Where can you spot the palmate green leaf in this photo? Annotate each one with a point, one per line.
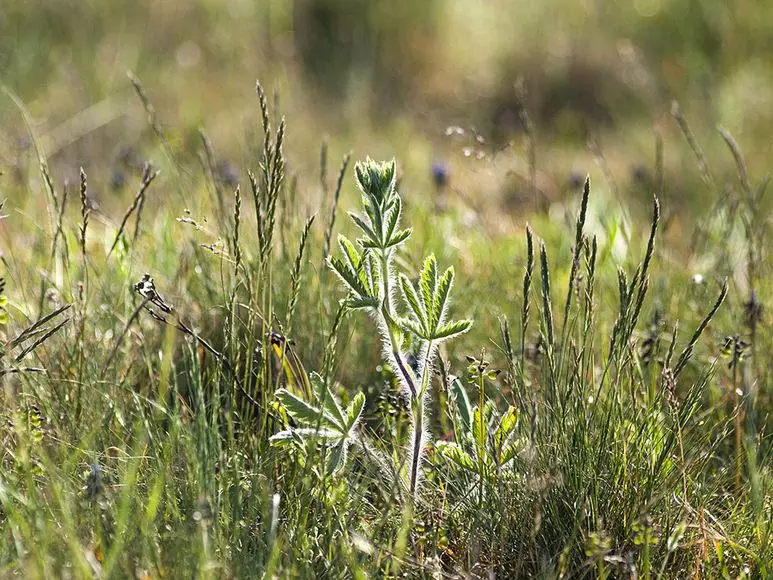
(412, 299)
(454, 453)
(354, 411)
(305, 413)
(428, 281)
(325, 397)
(440, 299)
(451, 329)
(371, 274)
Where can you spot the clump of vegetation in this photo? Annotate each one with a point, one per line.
(168, 425)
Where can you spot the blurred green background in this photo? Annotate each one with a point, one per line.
(390, 77)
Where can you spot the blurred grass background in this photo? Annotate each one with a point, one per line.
(441, 85)
(392, 76)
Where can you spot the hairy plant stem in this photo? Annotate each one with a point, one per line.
(416, 394)
(417, 415)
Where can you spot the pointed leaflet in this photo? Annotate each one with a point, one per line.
(325, 398)
(354, 411)
(506, 425)
(351, 253)
(452, 329)
(399, 237)
(462, 403)
(304, 413)
(440, 299)
(393, 217)
(428, 281)
(286, 437)
(372, 274)
(336, 457)
(356, 262)
(510, 451)
(413, 327)
(296, 435)
(412, 299)
(367, 230)
(356, 302)
(348, 276)
(393, 236)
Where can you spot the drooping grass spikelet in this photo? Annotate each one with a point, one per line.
(295, 277)
(147, 178)
(36, 327)
(641, 273)
(43, 337)
(146, 104)
(590, 266)
(210, 166)
(743, 174)
(236, 247)
(703, 166)
(42, 161)
(578, 244)
(671, 346)
(687, 352)
(527, 275)
(60, 220)
(547, 306)
(334, 209)
(85, 211)
(265, 119)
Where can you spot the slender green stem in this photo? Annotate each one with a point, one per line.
(480, 436)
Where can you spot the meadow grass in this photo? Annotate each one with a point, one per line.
(193, 392)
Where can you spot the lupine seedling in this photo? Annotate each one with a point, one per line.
(367, 271)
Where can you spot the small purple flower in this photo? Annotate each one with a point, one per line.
(440, 174)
